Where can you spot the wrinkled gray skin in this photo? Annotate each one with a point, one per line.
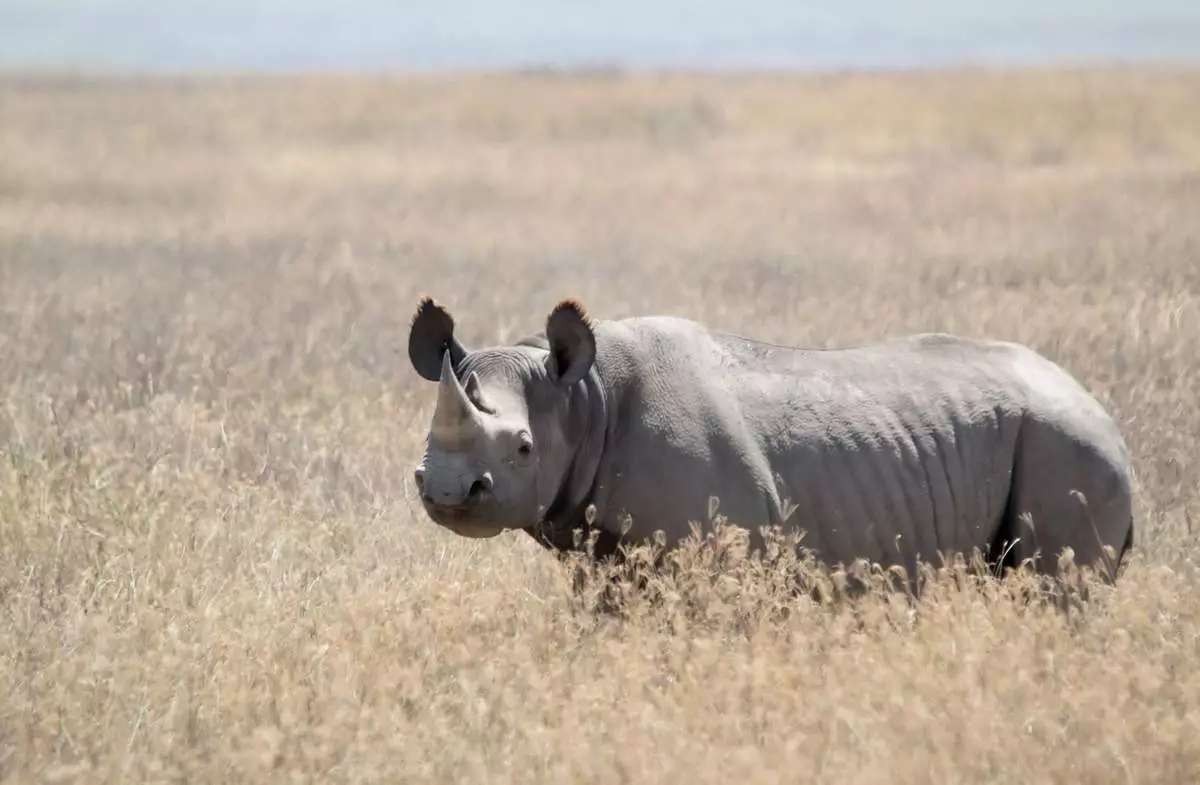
(905, 450)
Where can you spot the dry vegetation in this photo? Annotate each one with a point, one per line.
(211, 566)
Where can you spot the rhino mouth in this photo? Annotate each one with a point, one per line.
(452, 513)
(466, 520)
(473, 531)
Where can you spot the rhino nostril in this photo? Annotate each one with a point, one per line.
(419, 478)
(477, 487)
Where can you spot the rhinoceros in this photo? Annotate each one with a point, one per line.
(907, 449)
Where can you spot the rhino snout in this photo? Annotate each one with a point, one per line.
(454, 493)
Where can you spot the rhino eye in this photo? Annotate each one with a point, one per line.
(525, 448)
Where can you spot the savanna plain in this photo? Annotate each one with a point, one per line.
(212, 564)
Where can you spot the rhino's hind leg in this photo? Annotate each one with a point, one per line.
(1068, 491)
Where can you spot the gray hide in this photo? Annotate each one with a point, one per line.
(905, 450)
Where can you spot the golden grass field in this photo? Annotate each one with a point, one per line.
(212, 566)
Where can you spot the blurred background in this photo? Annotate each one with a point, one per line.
(373, 34)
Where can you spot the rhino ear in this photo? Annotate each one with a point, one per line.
(431, 335)
(572, 342)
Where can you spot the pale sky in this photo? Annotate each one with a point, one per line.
(372, 34)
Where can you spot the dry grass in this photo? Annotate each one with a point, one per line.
(211, 568)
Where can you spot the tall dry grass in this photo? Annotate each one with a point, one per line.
(211, 565)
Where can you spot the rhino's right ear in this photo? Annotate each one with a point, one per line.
(572, 342)
(431, 335)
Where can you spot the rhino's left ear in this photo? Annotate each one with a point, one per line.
(431, 336)
(572, 342)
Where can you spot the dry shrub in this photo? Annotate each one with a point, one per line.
(211, 564)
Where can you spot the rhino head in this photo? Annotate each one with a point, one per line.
(508, 423)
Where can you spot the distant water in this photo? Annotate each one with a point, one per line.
(382, 34)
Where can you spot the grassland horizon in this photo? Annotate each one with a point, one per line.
(212, 566)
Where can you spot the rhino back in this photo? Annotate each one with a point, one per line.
(890, 451)
(885, 451)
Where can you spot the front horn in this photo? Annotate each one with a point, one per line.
(454, 409)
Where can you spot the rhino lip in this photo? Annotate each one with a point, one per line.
(462, 519)
(452, 512)
(468, 512)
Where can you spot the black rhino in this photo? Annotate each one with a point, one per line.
(904, 450)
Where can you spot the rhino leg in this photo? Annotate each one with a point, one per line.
(1070, 489)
